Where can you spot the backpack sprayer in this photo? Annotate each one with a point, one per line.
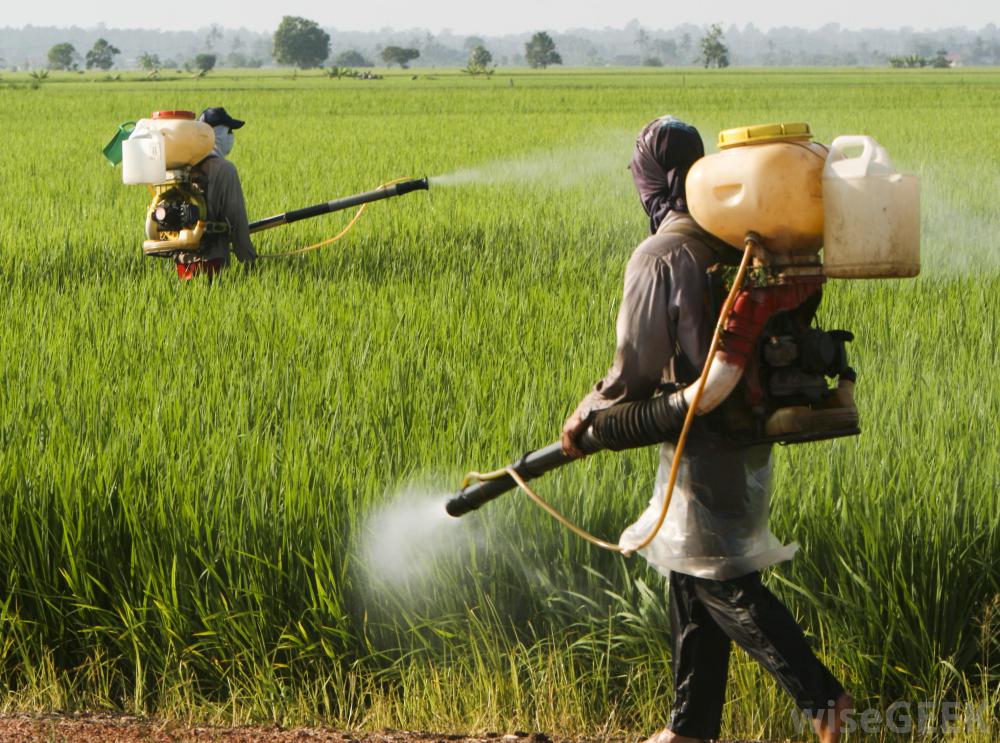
(163, 151)
(782, 197)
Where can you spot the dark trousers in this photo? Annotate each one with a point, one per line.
(705, 617)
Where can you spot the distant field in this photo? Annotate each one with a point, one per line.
(187, 472)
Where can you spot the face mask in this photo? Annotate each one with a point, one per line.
(224, 140)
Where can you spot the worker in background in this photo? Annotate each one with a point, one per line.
(716, 538)
(227, 210)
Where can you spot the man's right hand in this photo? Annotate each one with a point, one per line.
(572, 428)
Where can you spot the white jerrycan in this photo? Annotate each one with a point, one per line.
(144, 157)
(871, 226)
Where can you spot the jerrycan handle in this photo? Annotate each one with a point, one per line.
(859, 165)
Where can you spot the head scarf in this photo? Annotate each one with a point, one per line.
(665, 150)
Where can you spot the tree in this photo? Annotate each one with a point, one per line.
(62, 56)
(941, 60)
(714, 53)
(149, 61)
(102, 55)
(204, 62)
(480, 61)
(352, 58)
(541, 51)
(300, 42)
(399, 55)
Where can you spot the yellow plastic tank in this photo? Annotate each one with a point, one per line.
(872, 213)
(186, 141)
(766, 179)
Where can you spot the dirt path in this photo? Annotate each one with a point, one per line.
(121, 729)
(124, 729)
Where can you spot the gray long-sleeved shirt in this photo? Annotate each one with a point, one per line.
(225, 201)
(717, 523)
(664, 324)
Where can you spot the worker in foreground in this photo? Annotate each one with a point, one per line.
(716, 537)
(227, 211)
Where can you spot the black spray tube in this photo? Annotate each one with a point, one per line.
(624, 426)
(398, 189)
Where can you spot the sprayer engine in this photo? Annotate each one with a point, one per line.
(788, 389)
(175, 215)
(796, 365)
(175, 220)
(797, 386)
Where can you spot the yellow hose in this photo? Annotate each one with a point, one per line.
(335, 238)
(681, 441)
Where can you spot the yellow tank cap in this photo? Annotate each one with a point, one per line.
(763, 133)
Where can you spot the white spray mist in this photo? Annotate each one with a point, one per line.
(557, 168)
(959, 228)
(406, 539)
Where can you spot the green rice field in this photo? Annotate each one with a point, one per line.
(224, 501)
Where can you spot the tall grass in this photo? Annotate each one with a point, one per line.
(186, 472)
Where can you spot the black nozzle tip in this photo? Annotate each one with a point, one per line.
(457, 506)
(417, 184)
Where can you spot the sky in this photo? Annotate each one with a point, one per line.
(492, 18)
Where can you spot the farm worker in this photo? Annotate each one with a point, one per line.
(224, 197)
(716, 538)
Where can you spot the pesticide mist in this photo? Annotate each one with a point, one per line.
(557, 168)
(406, 542)
(959, 235)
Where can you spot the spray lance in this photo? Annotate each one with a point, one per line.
(782, 197)
(396, 188)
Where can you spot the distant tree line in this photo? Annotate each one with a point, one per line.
(301, 42)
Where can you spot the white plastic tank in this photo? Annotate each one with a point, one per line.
(144, 156)
(871, 226)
